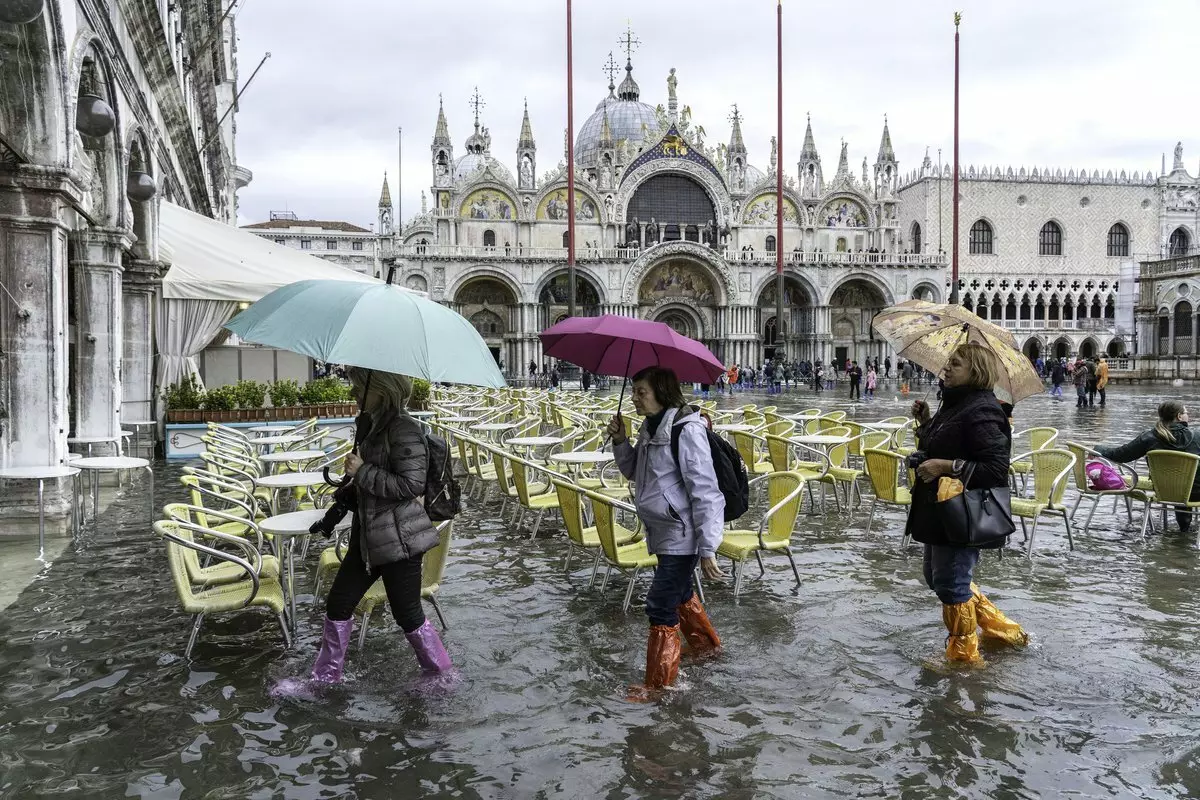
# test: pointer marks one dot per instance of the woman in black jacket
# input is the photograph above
(1171, 433)
(969, 430)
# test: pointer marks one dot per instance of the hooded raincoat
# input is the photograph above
(680, 503)
(1186, 441)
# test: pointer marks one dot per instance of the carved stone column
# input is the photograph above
(140, 284)
(35, 216)
(96, 272)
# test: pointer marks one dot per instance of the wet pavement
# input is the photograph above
(833, 689)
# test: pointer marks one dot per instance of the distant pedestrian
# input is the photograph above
(1058, 375)
(1080, 377)
(1102, 379)
(855, 373)
(872, 378)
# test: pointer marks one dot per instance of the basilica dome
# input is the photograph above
(629, 119)
(468, 165)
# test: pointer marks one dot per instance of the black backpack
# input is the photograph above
(442, 493)
(732, 479)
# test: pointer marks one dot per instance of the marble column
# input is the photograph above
(35, 217)
(1171, 334)
(139, 286)
(96, 274)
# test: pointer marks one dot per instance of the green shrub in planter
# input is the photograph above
(419, 399)
(285, 393)
(184, 395)
(223, 398)
(250, 394)
(324, 390)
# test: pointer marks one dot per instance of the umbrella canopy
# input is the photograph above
(927, 333)
(624, 346)
(371, 325)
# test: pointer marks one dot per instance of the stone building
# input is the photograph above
(341, 243)
(105, 108)
(672, 228)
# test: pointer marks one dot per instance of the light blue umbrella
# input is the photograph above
(371, 325)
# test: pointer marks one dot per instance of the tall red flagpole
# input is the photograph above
(779, 326)
(570, 175)
(954, 199)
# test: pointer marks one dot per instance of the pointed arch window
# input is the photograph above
(915, 235)
(1118, 240)
(1180, 242)
(981, 238)
(1050, 240)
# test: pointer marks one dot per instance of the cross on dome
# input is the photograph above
(476, 102)
(611, 68)
(629, 42)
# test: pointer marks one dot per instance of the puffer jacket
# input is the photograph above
(1186, 441)
(970, 426)
(680, 504)
(391, 487)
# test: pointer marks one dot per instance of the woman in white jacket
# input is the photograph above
(682, 510)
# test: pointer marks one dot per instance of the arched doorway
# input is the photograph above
(1062, 347)
(486, 301)
(1183, 328)
(680, 321)
(1032, 349)
(796, 338)
(852, 307)
(1116, 348)
(1087, 349)
(1180, 242)
(553, 301)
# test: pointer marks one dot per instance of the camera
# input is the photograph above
(916, 459)
(345, 500)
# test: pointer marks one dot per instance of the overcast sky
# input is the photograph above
(1094, 84)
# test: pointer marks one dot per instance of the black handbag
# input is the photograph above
(977, 517)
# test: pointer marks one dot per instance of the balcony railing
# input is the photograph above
(1170, 266)
(1089, 324)
(585, 254)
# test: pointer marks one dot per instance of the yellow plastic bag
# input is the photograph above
(948, 488)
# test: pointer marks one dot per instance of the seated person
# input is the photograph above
(1171, 433)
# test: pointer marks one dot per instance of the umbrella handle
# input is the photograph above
(331, 481)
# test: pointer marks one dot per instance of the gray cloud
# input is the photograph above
(1067, 83)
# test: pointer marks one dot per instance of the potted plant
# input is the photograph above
(419, 399)
(285, 395)
(220, 404)
(251, 398)
(183, 400)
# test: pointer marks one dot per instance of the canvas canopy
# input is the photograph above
(214, 261)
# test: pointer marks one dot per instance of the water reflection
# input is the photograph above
(830, 689)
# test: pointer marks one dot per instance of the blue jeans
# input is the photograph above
(948, 571)
(671, 588)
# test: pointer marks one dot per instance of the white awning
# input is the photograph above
(214, 261)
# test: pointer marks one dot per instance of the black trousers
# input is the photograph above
(401, 579)
(855, 391)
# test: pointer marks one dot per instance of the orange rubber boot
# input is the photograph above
(962, 644)
(995, 624)
(662, 662)
(696, 627)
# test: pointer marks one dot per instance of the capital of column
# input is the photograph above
(39, 193)
(142, 276)
(101, 247)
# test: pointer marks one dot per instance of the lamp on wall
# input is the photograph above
(139, 186)
(20, 12)
(93, 116)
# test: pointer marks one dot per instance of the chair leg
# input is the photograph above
(604, 583)
(503, 507)
(287, 635)
(761, 569)
(1078, 503)
(738, 568)
(438, 609)
(1145, 519)
(537, 523)
(1088, 523)
(796, 572)
(1070, 538)
(1128, 508)
(197, 621)
(629, 590)
(595, 568)
(1032, 533)
(570, 552)
(362, 629)
(871, 515)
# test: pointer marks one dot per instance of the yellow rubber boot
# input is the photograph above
(995, 624)
(963, 642)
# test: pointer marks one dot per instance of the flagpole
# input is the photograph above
(779, 326)
(570, 174)
(400, 182)
(954, 198)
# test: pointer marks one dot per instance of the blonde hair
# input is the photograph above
(395, 389)
(1168, 412)
(983, 368)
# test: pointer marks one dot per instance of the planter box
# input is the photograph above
(283, 413)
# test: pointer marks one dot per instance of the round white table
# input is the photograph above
(290, 480)
(270, 429)
(41, 475)
(821, 439)
(884, 426)
(583, 457)
(88, 441)
(111, 464)
(734, 426)
(291, 456)
(456, 420)
(137, 425)
(801, 417)
(269, 441)
(289, 527)
(534, 441)
(422, 414)
(492, 428)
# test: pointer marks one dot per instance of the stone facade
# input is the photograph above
(104, 110)
(341, 243)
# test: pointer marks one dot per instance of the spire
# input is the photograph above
(809, 151)
(606, 134)
(886, 153)
(479, 141)
(441, 134)
(629, 90)
(843, 168)
(526, 129)
(385, 196)
(736, 143)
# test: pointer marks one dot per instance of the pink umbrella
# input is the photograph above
(624, 346)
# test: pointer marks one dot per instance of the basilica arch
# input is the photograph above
(489, 302)
(683, 317)
(724, 286)
(553, 295)
(799, 300)
(853, 303)
(710, 183)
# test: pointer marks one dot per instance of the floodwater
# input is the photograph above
(833, 689)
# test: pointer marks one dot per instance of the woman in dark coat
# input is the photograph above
(1171, 433)
(390, 531)
(969, 430)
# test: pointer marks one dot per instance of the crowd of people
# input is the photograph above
(777, 375)
(1089, 376)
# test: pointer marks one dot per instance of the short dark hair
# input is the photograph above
(664, 384)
